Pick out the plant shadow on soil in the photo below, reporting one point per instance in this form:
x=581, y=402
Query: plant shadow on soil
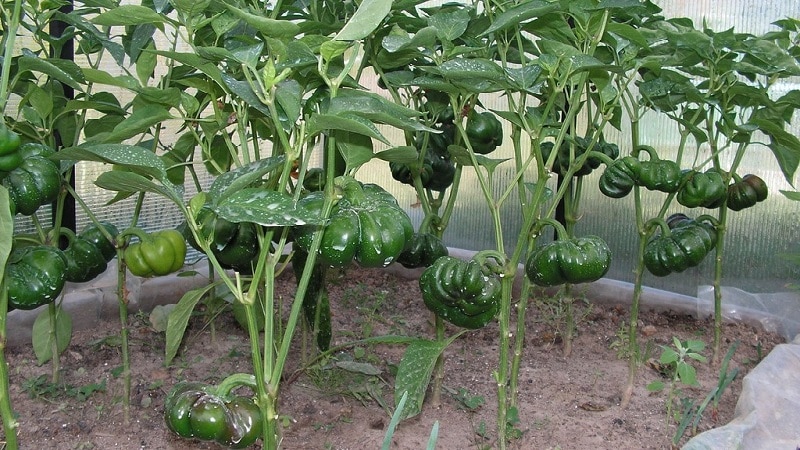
x=345, y=401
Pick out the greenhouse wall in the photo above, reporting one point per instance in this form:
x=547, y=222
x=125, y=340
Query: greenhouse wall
x=759, y=239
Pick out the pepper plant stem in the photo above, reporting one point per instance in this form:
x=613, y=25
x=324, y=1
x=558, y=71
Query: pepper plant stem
x=10, y=424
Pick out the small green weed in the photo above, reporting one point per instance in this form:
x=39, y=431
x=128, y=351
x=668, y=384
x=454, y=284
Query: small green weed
x=41, y=388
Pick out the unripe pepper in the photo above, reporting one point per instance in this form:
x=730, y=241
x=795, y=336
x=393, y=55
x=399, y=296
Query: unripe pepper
x=424, y=249
x=84, y=260
x=484, y=131
x=159, y=253
x=702, y=189
x=235, y=245
x=564, y=157
x=578, y=260
x=436, y=170
x=746, y=192
x=10, y=158
x=659, y=174
x=681, y=244
x=461, y=292
x=196, y=410
x=93, y=234
x=619, y=178
x=36, y=182
x=34, y=276
x=366, y=226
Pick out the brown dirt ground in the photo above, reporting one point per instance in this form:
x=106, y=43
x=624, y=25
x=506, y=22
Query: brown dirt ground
x=565, y=403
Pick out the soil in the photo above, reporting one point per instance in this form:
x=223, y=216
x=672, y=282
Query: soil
x=564, y=402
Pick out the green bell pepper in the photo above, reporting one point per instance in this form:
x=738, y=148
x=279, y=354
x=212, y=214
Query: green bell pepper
x=159, y=253
x=577, y=260
x=682, y=244
x=702, y=189
x=85, y=261
x=460, y=292
x=314, y=179
x=235, y=245
x=619, y=178
x=658, y=174
x=424, y=250
x=564, y=158
x=34, y=276
x=746, y=192
x=95, y=235
x=194, y=410
x=436, y=170
x=10, y=157
x=36, y=182
x=366, y=225
x=484, y=131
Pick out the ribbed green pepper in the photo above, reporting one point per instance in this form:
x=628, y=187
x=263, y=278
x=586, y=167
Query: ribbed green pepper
x=10, y=158
x=36, y=182
x=577, y=260
x=746, y=192
x=424, y=250
x=235, y=245
x=366, y=225
x=619, y=178
x=683, y=246
x=484, y=131
x=159, y=253
x=93, y=234
x=702, y=189
x=194, y=410
x=660, y=175
x=84, y=260
x=460, y=292
x=437, y=170
x=563, y=160
x=34, y=276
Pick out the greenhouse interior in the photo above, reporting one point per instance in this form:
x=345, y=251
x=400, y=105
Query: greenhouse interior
x=327, y=224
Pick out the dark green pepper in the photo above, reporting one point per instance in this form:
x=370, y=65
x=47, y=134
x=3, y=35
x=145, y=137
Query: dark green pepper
x=619, y=178
x=460, y=292
x=235, y=245
x=314, y=179
x=484, y=131
x=194, y=410
x=34, y=276
x=95, y=235
x=702, y=189
x=578, y=260
x=159, y=253
x=437, y=170
x=566, y=155
x=10, y=157
x=680, y=247
x=366, y=225
x=84, y=260
x=424, y=249
x=660, y=175
x=746, y=192
x=36, y=182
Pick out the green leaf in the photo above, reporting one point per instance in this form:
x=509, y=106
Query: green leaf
x=124, y=15
x=358, y=367
x=355, y=148
x=784, y=145
x=61, y=70
x=656, y=386
x=792, y=195
x=192, y=60
x=687, y=374
x=139, y=158
x=376, y=109
x=352, y=123
x=368, y=16
x=519, y=14
x=179, y=318
x=242, y=177
x=102, y=77
x=139, y=122
x=115, y=49
x=461, y=156
x=403, y=155
x=414, y=373
x=244, y=91
x=275, y=28
x=6, y=229
x=266, y=208
x=159, y=317
x=127, y=182
x=42, y=337
x=450, y=25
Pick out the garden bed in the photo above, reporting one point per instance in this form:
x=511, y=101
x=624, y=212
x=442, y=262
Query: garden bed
x=566, y=403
